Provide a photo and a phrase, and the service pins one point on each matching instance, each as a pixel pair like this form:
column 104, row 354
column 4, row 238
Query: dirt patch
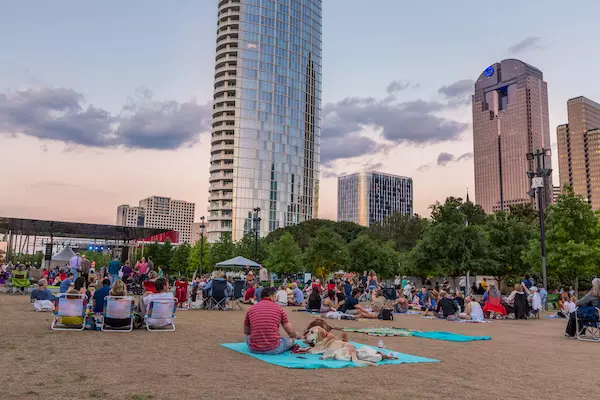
column 524, row 359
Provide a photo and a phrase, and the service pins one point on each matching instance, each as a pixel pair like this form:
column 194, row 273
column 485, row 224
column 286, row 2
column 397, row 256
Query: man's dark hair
column 106, row 282
column 266, row 292
column 355, row 291
column 70, row 274
column 159, row 285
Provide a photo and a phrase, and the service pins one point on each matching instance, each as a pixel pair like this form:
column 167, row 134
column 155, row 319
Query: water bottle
column 380, row 344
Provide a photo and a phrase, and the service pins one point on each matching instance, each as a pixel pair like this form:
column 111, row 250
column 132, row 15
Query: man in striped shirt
column 261, row 326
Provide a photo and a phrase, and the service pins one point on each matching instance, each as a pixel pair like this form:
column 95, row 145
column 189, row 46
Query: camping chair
column 118, row 307
column 161, row 311
column 238, row 295
column 218, row 298
column 389, row 295
column 19, row 282
column 68, row 310
column 587, row 323
column 149, row 287
column 181, row 293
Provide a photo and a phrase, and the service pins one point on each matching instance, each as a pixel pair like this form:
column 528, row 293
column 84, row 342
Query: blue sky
column 107, row 50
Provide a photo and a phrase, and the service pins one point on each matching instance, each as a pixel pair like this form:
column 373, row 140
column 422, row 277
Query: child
column 536, row 300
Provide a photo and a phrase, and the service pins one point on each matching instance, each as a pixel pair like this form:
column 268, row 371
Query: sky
column 105, row 103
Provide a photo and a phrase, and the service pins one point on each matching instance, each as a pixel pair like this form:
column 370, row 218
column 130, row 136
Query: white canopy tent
column 61, row 258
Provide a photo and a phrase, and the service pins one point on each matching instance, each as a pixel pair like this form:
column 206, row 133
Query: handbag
column 387, row 314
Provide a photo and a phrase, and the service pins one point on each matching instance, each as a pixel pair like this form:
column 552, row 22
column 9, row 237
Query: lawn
column 524, row 359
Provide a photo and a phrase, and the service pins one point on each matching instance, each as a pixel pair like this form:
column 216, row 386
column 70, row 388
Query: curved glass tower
column 264, row 166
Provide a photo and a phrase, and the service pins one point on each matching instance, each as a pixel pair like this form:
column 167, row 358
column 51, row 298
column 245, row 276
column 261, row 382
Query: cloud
column 458, row 89
column 443, row 159
column 411, row 122
column 60, row 114
column 396, row 86
column 529, row 43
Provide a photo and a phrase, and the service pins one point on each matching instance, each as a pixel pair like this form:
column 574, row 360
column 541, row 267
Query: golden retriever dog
column 331, row 347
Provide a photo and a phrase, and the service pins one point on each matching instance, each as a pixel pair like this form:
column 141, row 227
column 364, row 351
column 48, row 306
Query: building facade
column 266, row 116
column 367, row 198
column 578, row 152
column 510, row 119
column 160, row 212
column 556, row 191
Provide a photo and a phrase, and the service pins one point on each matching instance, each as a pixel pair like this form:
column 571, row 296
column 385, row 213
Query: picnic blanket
column 446, row 336
column 313, row 361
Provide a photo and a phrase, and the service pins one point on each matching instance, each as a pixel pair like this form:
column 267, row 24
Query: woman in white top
column 281, row 297
column 473, row 310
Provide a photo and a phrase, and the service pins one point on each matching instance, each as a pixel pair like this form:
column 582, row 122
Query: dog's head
column 315, row 335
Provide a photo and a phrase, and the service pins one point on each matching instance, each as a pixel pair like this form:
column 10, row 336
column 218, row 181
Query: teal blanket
column 449, row 336
column 312, row 361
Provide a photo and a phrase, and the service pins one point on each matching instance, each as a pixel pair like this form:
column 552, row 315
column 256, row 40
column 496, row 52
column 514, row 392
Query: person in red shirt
column 249, row 295
column 261, row 326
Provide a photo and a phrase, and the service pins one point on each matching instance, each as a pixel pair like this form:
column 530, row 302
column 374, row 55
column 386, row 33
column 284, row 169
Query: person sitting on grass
column 431, row 303
column 249, row 294
column 261, row 326
column 119, row 289
column 473, row 310
column 351, row 307
column 313, row 304
column 66, row 283
column 592, row 299
column 298, row 295
column 446, row 307
column 41, row 292
column 281, row 297
column 400, row 305
column 328, row 303
column 257, row 293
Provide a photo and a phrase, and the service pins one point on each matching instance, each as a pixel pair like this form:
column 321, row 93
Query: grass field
column 524, row 359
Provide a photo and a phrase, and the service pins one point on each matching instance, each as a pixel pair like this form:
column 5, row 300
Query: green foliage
column 326, row 253
column 368, row 255
column 101, row 259
column 306, row 231
column 179, row 258
column 508, row 237
column 525, row 213
column 221, row 250
column 284, row 256
column 572, row 239
column 246, row 247
column 405, row 231
column 194, row 258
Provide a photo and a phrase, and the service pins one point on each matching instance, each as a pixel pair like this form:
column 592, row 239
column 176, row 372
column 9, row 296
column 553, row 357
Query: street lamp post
column 202, row 226
column 538, row 179
column 256, row 219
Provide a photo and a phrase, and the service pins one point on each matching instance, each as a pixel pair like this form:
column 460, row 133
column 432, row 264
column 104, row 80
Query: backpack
column 386, row 314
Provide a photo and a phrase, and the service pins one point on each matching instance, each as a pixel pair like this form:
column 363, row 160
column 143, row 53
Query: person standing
column 86, row 266
column 143, row 269
column 463, row 285
column 75, row 265
column 150, row 264
column 263, row 274
column 544, row 298
column 113, row 270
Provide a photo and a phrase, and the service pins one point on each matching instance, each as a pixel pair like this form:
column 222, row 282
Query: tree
column 572, row 239
column 246, row 247
column 179, row 258
column 307, row 230
column 508, row 237
column 404, row 230
column 284, row 256
column 454, row 243
column 326, row 252
column 194, row 258
column 222, row 249
column 368, row 255
column 525, row 213
column 163, row 256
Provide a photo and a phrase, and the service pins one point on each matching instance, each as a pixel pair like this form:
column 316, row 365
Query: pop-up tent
column 61, row 258
column 237, row 262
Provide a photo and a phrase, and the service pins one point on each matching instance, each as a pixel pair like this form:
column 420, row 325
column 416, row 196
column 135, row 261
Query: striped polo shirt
column 264, row 319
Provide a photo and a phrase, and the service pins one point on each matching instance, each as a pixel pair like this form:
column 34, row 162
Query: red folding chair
column 181, row 291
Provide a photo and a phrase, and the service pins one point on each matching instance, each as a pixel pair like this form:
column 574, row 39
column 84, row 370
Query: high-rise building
column 160, row 212
column 266, row 115
column 578, row 151
column 366, row 198
column 510, row 119
column 556, row 191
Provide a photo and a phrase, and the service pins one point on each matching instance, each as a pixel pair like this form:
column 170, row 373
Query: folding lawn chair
column 160, row 315
column 218, row 298
column 389, row 296
column 19, row 282
column 587, row 323
column 118, row 308
column 69, row 312
column 238, row 294
column 181, row 293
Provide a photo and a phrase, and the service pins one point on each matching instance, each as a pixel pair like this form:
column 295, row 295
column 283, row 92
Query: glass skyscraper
column 367, row 198
column 264, row 166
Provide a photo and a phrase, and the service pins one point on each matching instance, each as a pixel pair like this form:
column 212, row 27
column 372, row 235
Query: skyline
column 417, row 91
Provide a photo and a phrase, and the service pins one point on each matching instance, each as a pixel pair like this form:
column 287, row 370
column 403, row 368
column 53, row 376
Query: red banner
column 173, row 236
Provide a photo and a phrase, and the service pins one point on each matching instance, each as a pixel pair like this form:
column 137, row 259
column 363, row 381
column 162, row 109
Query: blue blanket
column 312, row 361
column 449, row 336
